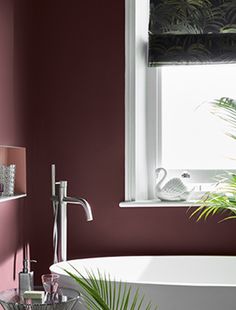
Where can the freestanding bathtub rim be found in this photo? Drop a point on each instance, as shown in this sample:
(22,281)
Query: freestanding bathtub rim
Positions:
(225,262)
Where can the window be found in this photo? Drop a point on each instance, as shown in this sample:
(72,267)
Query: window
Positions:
(191,136)
(168,118)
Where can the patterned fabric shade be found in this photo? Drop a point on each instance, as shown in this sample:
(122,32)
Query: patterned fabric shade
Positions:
(192,32)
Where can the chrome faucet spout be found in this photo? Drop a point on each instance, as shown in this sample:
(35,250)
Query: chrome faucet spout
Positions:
(84,203)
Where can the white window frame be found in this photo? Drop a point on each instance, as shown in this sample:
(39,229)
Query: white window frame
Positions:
(142,114)
(140,105)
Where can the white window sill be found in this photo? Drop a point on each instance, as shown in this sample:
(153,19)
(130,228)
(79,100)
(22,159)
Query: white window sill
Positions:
(158,204)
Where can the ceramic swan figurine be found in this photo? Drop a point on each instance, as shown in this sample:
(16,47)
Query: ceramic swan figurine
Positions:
(173,190)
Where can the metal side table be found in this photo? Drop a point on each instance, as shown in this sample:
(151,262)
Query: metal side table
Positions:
(68,299)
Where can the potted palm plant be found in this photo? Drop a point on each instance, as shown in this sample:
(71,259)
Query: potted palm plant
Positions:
(223,198)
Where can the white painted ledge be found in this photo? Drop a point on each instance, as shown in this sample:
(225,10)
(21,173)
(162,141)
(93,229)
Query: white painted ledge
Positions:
(7,198)
(158,204)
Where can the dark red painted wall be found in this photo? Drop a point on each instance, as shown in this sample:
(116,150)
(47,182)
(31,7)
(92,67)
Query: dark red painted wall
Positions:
(76,120)
(11,133)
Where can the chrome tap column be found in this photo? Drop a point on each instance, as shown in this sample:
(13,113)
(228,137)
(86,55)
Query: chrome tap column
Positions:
(60,201)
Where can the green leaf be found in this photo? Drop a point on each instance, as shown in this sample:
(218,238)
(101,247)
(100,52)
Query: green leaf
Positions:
(102,293)
(218,201)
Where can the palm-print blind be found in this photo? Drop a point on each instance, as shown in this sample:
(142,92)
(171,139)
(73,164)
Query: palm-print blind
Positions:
(192,32)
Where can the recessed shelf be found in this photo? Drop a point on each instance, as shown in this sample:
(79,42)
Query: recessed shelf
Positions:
(15,155)
(7,198)
(158,204)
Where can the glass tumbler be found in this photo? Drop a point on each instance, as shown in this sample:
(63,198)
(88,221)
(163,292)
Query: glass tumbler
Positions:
(7,178)
(50,285)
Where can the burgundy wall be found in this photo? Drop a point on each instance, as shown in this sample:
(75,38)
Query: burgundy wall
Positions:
(76,120)
(11,133)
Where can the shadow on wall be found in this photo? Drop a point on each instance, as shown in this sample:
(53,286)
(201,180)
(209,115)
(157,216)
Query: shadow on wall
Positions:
(12,235)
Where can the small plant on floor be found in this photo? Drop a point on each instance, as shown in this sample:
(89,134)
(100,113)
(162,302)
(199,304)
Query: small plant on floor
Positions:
(102,293)
(223,199)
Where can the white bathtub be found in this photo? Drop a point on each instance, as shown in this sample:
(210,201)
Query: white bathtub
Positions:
(171,282)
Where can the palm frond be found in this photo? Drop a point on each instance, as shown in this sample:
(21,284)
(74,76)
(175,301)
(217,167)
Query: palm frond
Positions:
(102,293)
(228,29)
(223,198)
(219,201)
(225,109)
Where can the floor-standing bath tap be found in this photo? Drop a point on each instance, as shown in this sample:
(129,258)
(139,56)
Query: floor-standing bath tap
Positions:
(60,201)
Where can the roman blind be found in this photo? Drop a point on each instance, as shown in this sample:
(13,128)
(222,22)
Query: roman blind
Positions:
(192,32)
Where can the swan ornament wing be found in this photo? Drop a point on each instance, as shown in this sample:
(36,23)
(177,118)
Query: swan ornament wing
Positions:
(174,186)
(173,190)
